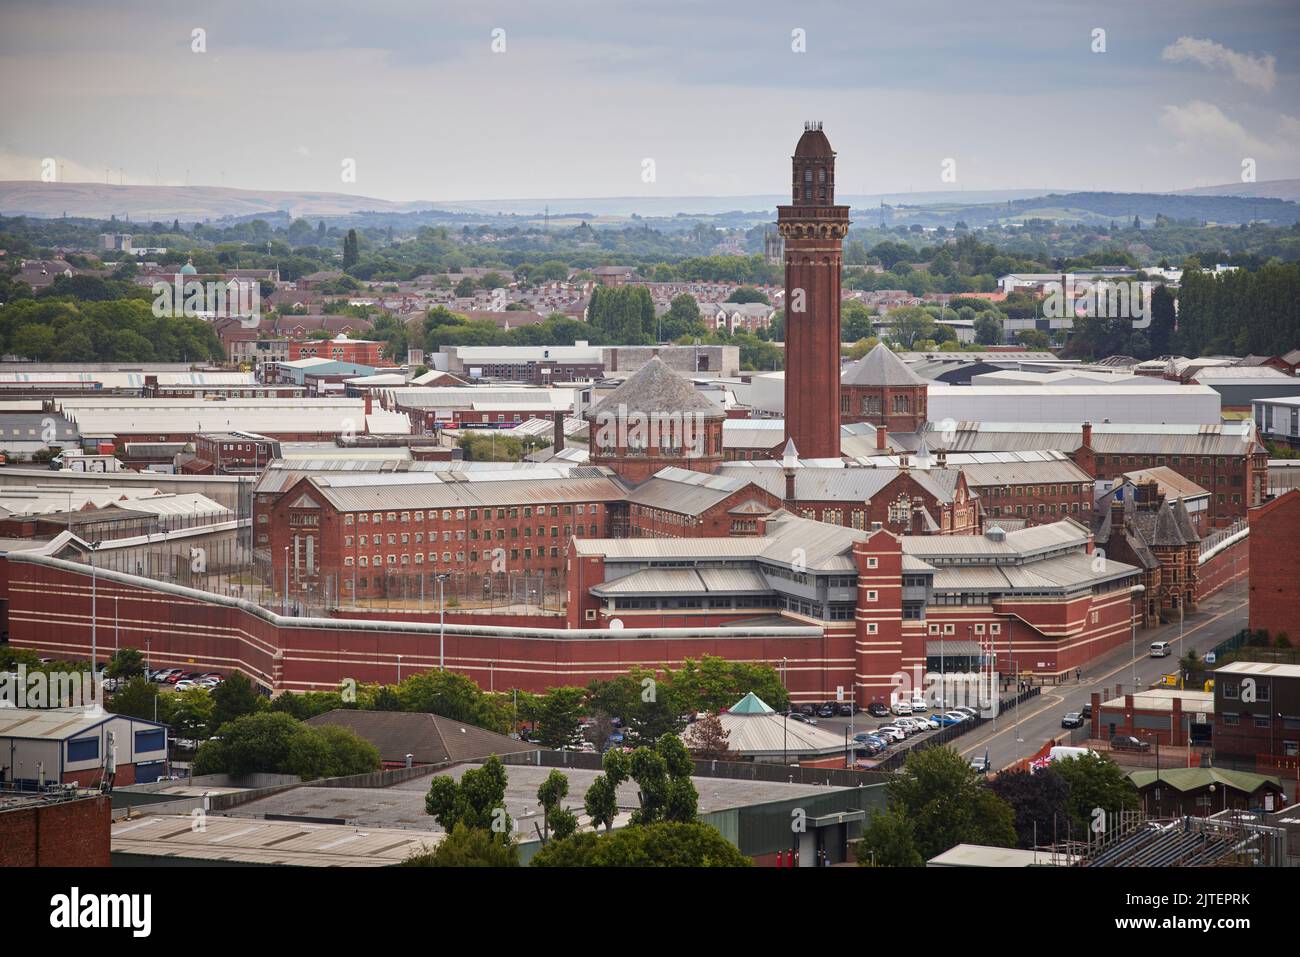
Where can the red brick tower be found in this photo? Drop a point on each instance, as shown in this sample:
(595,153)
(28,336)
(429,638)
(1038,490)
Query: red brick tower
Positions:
(814,229)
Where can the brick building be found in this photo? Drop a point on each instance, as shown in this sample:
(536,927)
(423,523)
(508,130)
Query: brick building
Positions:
(1226,460)
(903,500)
(681,503)
(363,351)
(1275,566)
(882,390)
(813,229)
(231,453)
(1147,530)
(886,604)
(368,535)
(1257,713)
(655,419)
(37,830)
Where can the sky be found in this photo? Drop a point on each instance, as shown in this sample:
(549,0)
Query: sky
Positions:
(585,98)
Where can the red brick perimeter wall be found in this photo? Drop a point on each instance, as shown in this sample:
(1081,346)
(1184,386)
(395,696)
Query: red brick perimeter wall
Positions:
(1227,567)
(49,612)
(1275,555)
(67,834)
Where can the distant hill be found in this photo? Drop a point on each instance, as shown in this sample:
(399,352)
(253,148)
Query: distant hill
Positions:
(1231,203)
(1269,189)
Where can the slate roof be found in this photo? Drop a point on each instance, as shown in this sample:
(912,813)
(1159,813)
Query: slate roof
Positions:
(880,366)
(429,738)
(655,390)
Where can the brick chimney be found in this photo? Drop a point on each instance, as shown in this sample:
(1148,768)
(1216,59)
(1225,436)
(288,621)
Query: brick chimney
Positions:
(881,435)
(1087,434)
(367,401)
(557,442)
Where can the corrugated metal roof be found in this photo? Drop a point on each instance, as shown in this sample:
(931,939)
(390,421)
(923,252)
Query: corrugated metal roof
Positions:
(387,494)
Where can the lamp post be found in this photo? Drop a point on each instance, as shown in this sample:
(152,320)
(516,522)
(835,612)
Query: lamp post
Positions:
(286,580)
(94,656)
(1137,593)
(399,669)
(442,622)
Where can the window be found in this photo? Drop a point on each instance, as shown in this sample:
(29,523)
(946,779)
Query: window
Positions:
(871,596)
(871,628)
(873,562)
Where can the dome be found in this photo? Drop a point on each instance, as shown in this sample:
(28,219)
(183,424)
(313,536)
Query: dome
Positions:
(813,143)
(188,269)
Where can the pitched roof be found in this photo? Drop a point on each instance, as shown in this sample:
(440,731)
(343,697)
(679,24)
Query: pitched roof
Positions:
(655,390)
(751,704)
(880,366)
(429,738)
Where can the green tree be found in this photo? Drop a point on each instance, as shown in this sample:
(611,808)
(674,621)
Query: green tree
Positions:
(682,319)
(889,840)
(744,294)
(351,250)
(1038,802)
(562,710)
(276,743)
(125,663)
(1095,783)
(467,846)
(908,325)
(556,819)
(234,698)
(477,800)
(142,698)
(988,329)
(948,804)
(601,800)
(663,844)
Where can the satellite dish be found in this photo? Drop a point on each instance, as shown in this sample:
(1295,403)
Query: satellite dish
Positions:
(616,624)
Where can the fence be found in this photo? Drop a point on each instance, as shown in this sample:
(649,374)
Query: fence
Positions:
(896,759)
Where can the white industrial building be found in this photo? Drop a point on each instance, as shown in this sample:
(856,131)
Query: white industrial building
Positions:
(1182,405)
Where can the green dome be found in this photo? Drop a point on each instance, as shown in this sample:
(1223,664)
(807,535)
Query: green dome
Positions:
(188,269)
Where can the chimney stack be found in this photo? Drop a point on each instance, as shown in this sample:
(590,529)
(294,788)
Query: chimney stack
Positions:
(557,443)
(1087,435)
(367,400)
(881,435)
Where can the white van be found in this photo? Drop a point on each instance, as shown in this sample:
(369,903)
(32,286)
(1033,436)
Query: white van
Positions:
(1160,649)
(1062,753)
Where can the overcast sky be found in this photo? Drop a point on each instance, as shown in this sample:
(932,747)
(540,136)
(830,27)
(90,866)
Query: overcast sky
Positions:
(710,90)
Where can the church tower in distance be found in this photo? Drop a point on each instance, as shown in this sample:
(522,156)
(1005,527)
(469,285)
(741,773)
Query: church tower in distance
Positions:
(813,228)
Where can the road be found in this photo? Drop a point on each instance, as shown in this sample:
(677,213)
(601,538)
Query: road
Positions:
(1218,618)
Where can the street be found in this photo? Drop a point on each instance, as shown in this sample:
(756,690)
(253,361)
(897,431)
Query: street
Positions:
(1012,737)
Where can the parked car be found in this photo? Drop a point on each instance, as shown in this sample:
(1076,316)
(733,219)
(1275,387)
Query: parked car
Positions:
(919,703)
(882,741)
(184,685)
(166,674)
(826,711)
(901,708)
(800,716)
(958,716)
(877,710)
(933,722)
(807,709)
(1126,742)
(968,712)
(1072,719)
(845,709)
(897,734)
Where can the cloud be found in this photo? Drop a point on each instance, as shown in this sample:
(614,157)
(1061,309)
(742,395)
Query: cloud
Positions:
(1257,71)
(1201,124)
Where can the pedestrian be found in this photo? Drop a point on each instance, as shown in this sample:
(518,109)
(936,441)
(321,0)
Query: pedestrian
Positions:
(1078,674)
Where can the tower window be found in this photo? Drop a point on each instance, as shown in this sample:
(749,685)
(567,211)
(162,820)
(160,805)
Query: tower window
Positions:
(807,192)
(807,176)
(822,193)
(821,176)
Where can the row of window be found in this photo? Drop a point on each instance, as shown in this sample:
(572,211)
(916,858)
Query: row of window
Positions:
(364,561)
(418,537)
(375,518)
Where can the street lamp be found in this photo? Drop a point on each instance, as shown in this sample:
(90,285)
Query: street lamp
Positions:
(399,669)
(94,656)
(1137,592)
(442,622)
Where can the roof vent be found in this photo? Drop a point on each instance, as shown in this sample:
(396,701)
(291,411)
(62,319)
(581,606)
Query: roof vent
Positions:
(995,533)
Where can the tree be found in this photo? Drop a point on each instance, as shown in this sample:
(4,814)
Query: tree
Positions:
(682,319)
(467,847)
(1038,802)
(351,251)
(743,294)
(276,743)
(664,844)
(466,288)
(948,803)
(988,328)
(707,739)
(601,801)
(1095,783)
(192,714)
(909,324)
(663,776)
(234,698)
(125,663)
(477,800)
(142,698)
(561,713)
(889,840)
(555,818)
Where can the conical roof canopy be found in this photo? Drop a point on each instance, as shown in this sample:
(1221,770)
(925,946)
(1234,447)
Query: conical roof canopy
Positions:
(655,389)
(750,704)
